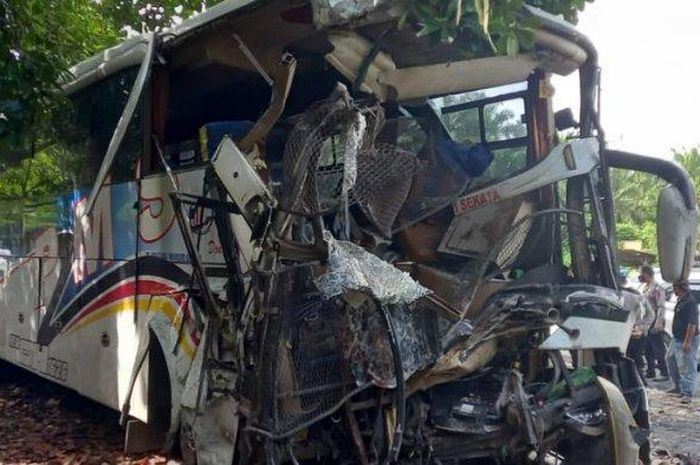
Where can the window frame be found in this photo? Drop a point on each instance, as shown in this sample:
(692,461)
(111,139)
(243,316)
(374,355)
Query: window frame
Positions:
(528,96)
(523,141)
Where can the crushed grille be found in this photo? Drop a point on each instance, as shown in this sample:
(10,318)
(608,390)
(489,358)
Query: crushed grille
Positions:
(331,157)
(307,377)
(385,175)
(322,352)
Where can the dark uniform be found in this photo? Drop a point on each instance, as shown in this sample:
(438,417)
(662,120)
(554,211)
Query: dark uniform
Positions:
(682,365)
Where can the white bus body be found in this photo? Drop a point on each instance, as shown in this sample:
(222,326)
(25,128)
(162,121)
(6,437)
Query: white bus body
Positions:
(113,290)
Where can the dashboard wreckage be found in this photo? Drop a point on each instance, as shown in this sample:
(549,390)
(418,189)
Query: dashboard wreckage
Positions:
(417,269)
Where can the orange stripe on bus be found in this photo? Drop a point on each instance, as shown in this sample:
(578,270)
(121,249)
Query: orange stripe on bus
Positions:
(158,304)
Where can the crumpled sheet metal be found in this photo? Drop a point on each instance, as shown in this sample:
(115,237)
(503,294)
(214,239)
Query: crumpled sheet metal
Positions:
(353,143)
(214,430)
(352,268)
(614,298)
(334,12)
(367,347)
(454,364)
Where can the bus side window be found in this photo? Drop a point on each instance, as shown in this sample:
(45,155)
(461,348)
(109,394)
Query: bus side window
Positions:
(41,192)
(85,133)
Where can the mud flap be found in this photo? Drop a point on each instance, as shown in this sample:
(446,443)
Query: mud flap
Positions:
(624,449)
(212,432)
(208,426)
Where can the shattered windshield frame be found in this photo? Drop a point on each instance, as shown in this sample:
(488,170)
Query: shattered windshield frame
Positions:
(498,118)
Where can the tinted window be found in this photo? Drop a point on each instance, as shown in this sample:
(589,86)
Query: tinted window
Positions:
(505,161)
(38,195)
(505,120)
(87,129)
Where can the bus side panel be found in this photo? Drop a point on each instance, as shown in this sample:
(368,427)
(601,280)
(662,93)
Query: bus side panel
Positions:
(159,234)
(22,303)
(81,328)
(19,295)
(75,331)
(160,241)
(102,323)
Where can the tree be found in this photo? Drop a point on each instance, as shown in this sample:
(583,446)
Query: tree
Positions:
(41,39)
(150,15)
(636,196)
(690,160)
(484,27)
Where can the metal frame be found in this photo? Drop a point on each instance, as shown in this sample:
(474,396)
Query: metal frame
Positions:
(481,103)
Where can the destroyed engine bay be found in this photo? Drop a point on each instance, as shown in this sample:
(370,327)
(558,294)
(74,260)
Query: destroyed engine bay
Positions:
(357,341)
(417,269)
(349,354)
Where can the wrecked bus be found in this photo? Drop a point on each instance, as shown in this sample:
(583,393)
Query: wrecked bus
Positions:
(338,242)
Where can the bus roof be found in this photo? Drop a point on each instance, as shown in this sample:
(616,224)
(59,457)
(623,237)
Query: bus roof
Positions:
(131,51)
(555,34)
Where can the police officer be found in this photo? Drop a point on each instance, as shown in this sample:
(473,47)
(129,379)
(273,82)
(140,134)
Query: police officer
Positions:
(681,356)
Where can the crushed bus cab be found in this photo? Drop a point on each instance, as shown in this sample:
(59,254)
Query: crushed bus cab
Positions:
(297,233)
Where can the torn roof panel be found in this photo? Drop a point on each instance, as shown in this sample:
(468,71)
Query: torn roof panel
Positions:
(295,27)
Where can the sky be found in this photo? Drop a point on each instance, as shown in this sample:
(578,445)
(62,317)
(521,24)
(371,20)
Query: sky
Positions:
(649,52)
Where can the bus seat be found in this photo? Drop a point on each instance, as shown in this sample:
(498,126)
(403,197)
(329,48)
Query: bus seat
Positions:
(211,134)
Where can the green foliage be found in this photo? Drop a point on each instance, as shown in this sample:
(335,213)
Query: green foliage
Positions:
(34,177)
(29,192)
(41,39)
(150,15)
(690,160)
(636,196)
(484,27)
(644,231)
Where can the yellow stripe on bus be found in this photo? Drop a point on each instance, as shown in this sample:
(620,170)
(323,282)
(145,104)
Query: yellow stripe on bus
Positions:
(159,304)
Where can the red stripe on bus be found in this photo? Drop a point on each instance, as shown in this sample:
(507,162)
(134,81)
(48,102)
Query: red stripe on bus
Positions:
(127,289)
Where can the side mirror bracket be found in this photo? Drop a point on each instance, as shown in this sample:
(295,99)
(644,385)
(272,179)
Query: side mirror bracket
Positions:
(677,215)
(564,119)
